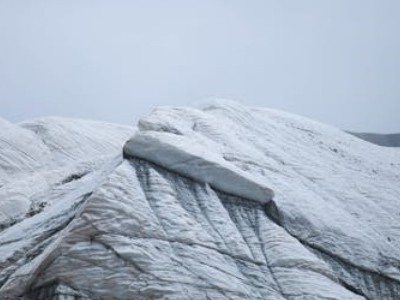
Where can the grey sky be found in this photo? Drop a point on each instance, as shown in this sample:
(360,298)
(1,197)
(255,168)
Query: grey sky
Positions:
(337,61)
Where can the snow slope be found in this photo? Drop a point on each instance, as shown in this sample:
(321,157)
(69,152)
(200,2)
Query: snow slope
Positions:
(219,202)
(41,156)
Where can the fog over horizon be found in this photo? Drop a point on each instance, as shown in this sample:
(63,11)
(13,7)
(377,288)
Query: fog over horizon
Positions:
(336,61)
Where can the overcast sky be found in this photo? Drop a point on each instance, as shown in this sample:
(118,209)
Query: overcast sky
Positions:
(337,61)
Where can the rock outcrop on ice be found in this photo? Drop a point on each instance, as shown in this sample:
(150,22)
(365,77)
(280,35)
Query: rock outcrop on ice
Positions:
(220,202)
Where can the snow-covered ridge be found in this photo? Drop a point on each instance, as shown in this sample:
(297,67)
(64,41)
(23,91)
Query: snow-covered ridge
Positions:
(52,142)
(189,213)
(319,174)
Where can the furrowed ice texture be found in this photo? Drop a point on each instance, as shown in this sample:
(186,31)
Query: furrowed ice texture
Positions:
(222,202)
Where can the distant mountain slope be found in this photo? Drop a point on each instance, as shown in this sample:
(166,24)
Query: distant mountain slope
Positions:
(387,140)
(221,202)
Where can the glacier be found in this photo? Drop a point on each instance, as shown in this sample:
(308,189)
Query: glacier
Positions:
(219,201)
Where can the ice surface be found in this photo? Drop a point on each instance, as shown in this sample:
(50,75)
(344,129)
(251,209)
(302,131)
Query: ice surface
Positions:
(190,213)
(190,158)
